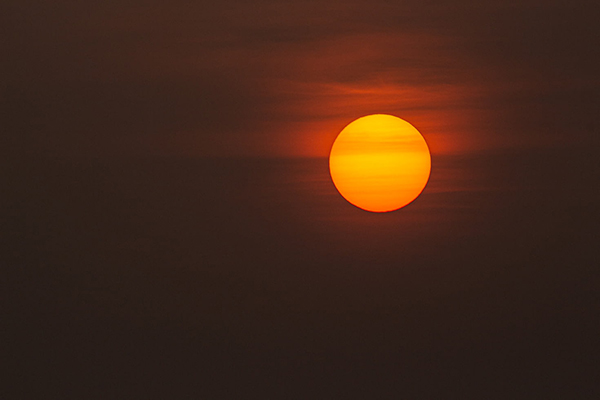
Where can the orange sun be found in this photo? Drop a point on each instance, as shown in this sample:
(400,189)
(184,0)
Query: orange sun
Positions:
(380,163)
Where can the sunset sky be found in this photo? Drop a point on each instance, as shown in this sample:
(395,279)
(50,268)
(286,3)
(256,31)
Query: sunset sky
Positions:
(171,229)
(271,78)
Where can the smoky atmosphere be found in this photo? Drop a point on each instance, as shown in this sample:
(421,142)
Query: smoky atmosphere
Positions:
(173,226)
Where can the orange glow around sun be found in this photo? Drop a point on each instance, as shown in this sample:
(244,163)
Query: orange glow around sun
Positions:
(380,163)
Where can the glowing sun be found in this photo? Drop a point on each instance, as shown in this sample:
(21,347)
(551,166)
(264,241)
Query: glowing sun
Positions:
(380,163)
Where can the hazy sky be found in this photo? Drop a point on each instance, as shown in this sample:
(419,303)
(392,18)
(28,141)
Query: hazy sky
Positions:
(283,78)
(207,275)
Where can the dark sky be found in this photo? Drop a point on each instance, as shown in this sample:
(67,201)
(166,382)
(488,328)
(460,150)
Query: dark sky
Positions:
(282,78)
(170,229)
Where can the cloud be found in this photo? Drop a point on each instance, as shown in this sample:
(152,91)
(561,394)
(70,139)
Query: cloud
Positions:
(281,78)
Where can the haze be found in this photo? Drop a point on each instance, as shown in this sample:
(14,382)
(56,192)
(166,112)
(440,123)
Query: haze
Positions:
(170,229)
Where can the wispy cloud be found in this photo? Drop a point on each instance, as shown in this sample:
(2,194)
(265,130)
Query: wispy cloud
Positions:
(282,78)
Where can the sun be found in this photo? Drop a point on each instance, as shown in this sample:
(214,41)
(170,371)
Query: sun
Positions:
(380,163)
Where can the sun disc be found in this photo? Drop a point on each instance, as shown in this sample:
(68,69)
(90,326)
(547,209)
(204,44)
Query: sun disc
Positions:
(380,163)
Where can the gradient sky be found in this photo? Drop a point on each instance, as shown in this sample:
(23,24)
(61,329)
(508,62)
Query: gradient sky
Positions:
(272,78)
(170,230)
